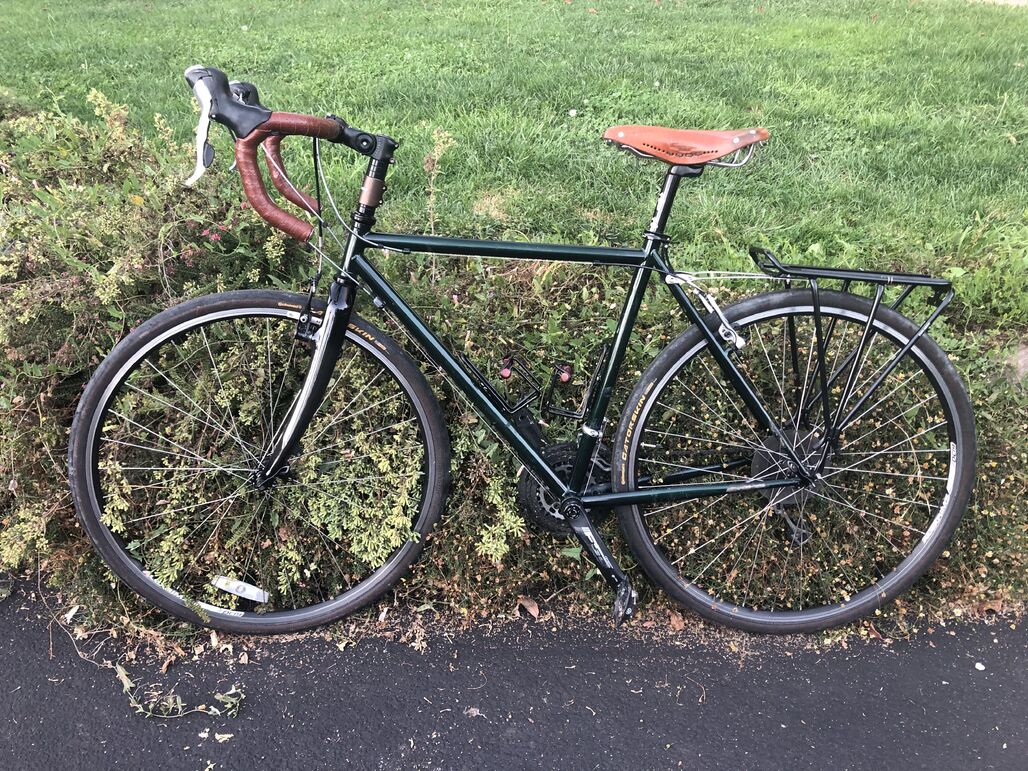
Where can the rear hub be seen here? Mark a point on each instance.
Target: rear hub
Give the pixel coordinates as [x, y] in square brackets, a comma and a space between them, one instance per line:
[770, 462]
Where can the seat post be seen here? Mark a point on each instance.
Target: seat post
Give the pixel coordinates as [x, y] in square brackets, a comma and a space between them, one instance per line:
[666, 199]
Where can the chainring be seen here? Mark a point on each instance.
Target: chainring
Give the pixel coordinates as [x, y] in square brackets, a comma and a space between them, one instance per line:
[539, 508]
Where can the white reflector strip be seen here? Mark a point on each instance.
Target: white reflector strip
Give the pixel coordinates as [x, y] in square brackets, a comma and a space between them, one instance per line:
[240, 589]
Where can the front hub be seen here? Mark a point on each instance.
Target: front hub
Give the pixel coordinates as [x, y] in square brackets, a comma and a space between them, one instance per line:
[261, 481]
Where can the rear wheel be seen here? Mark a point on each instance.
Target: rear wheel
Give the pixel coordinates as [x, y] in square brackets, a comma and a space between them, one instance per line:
[797, 559]
[164, 453]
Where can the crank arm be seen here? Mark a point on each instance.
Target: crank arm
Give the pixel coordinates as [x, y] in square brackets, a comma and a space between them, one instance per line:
[592, 541]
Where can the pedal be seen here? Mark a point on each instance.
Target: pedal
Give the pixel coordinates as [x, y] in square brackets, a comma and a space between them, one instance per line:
[624, 603]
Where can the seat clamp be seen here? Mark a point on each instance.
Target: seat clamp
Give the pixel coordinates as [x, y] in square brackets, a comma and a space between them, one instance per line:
[662, 238]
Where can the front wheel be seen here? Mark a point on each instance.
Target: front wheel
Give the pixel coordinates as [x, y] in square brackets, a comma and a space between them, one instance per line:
[166, 446]
[797, 559]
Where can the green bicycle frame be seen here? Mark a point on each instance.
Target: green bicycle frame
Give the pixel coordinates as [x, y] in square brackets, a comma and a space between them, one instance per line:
[644, 261]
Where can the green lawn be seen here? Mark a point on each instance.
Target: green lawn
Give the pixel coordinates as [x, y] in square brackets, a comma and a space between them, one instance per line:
[899, 141]
[898, 128]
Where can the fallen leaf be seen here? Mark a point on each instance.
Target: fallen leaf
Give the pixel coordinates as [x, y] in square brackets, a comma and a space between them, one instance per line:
[677, 622]
[996, 606]
[222, 738]
[530, 605]
[126, 681]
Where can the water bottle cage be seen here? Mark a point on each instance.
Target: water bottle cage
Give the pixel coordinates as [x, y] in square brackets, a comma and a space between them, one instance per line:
[512, 365]
[562, 376]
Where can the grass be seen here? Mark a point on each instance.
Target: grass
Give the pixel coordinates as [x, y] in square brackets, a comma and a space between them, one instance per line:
[899, 135]
[898, 127]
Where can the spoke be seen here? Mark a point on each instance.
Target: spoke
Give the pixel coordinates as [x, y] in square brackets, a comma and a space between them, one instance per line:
[188, 507]
[377, 479]
[339, 415]
[904, 384]
[734, 571]
[729, 428]
[888, 474]
[189, 453]
[281, 385]
[891, 498]
[756, 554]
[717, 556]
[704, 545]
[217, 376]
[257, 511]
[227, 505]
[905, 440]
[889, 422]
[176, 469]
[770, 365]
[238, 440]
[863, 514]
[187, 397]
[693, 468]
[339, 378]
[894, 452]
[151, 448]
[326, 541]
[690, 519]
[867, 513]
[785, 365]
[344, 441]
[269, 432]
[709, 441]
[711, 426]
[806, 373]
[717, 381]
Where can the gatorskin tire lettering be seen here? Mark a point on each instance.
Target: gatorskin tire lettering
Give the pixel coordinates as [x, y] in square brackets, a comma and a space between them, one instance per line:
[633, 419]
[367, 336]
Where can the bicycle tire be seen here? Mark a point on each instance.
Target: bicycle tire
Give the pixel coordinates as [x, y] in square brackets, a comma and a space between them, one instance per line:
[640, 529]
[203, 318]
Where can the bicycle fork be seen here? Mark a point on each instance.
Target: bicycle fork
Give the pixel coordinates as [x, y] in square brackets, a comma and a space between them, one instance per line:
[328, 343]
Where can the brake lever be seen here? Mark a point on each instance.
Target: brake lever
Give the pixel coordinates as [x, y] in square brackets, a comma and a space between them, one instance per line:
[204, 151]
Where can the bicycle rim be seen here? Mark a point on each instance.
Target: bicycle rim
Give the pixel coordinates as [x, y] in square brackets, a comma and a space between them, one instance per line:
[172, 445]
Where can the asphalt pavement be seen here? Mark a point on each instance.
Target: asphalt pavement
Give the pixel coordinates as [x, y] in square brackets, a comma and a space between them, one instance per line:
[526, 696]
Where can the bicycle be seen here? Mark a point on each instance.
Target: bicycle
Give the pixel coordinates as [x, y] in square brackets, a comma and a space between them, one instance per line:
[262, 461]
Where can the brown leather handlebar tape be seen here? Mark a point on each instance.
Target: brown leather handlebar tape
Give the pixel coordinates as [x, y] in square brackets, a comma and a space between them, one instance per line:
[288, 123]
[279, 178]
[284, 123]
[253, 187]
